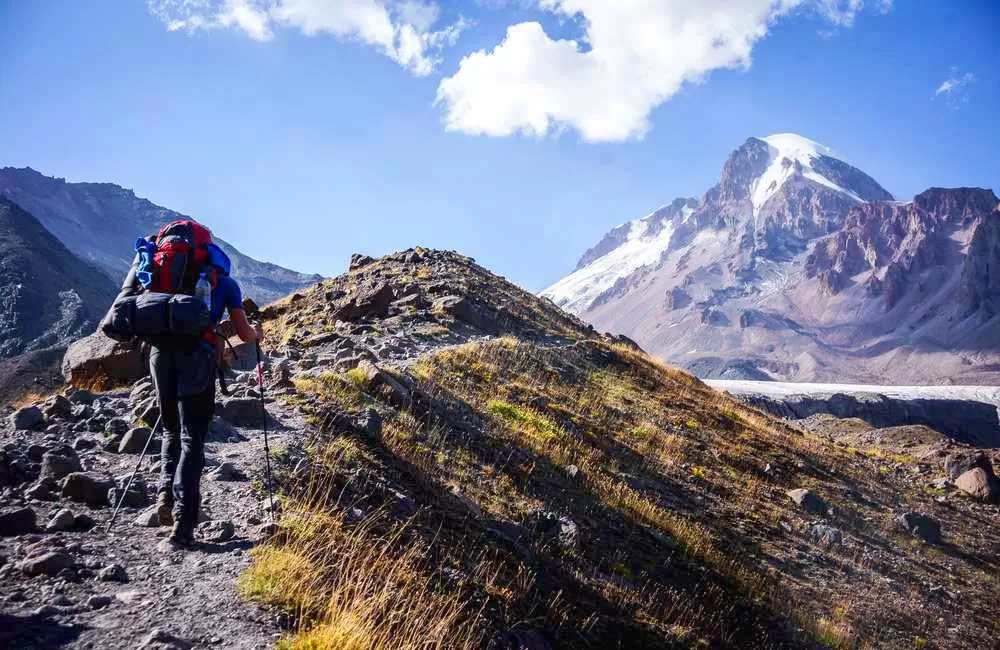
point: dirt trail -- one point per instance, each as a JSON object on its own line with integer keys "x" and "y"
{"x": 157, "y": 600}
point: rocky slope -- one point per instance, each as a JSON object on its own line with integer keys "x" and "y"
{"x": 798, "y": 266}
{"x": 463, "y": 465}
{"x": 48, "y": 296}
{"x": 99, "y": 222}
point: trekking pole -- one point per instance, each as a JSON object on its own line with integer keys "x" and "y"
{"x": 121, "y": 499}
{"x": 263, "y": 410}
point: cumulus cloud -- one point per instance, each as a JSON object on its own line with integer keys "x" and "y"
{"x": 402, "y": 30}
{"x": 632, "y": 56}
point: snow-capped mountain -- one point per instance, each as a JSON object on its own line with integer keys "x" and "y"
{"x": 795, "y": 266}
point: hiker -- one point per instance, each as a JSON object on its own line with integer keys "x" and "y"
{"x": 179, "y": 261}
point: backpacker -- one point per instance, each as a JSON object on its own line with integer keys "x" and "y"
{"x": 167, "y": 268}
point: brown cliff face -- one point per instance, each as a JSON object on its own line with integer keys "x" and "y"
{"x": 897, "y": 240}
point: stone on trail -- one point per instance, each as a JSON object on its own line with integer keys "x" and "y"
{"x": 57, "y": 463}
{"x": 112, "y": 573}
{"x": 50, "y": 564}
{"x": 88, "y": 487}
{"x": 148, "y": 518}
{"x": 57, "y": 407}
{"x": 28, "y": 417}
{"x": 961, "y": 462}
{"x": 42, "y": 490}
{"x": 17, "y": 522}
{"x": 134, "y": 441}
{"x": 241, "y": 411}
{"x": 160, "y": 640}
{"x": 225, "y": 472}
{"x": 99, "y": 601}
{"x": 63, "y": 520}
{"x": 99, "y": 361}
{"x": 216, "y": 531}
{"x": 921, "y": 525}
{"x": 808, "y": 501}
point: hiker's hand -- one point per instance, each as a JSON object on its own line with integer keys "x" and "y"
{"x": 258, "y": 332}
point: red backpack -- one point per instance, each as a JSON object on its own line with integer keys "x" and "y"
{"x": 181, "y": 253}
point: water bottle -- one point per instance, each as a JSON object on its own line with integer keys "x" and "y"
{"x": 203, "y": 291}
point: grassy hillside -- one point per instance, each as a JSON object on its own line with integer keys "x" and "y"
{"x": 483, "y": 470}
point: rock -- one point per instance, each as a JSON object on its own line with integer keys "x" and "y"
{"x": 50, "y": 563}
{"x": 83, "y": 521}
{"x": 468, "y": 311}
{"x": 217, "y": 531}
{"x": 81, "y": 397}
{"x": 148, "y": 518}
{"x": 42, "y": 490}
{"x": 28, "y": 417}
{"x": 63, "y": 520}
{"x": 57, "y": 407}
{"x": 141, "y": 390}
{"x": 116, "y": 427}
{"x": 88, "y": 487}
{"x": 59, "y": 462}
{"x": 467, "y": 503}
{"x": 99, "y": 601}
{"x": 379, "y": 381}
{"x": 358, "y": 261}
{"x": 241, "y": 411}
{"x": 959, "y": 463}
{"x": 369, "y": 422}
{"x": 134, "y": 441}
{"x": 225, "y": 472}
{"x": 978, "y": 484}
{"x": 921, "y": 525}
{"x": 160, "y": 640}
{"x": 83, "y": 444}
{"x": 808, "y": 501}
{"x": 99, "y": 362}
{"x": 112, "y": 573}
{"x": 826, "y": 536}
{"x": 555, "y": 529}
{"x": 136, "y": 496}
{"x": 17, "y": 522}
{"x": 369, "y": 301}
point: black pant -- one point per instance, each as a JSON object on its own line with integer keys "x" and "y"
{"x": 184, "y": 378}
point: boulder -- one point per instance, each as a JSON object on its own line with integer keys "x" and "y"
{"x": 28, "y": 417}
{"x": 225, "y": 472}
{"x": 468, "y": 311}
{"x": 63, "y": 520}
{"x": 57, "y": 407}
{"x": 136, "y": 496}
{"x": 88, "y": 487}
{"x": 241, "y": 411}
{"x": 102, "y": 363}
{"x": 359, "y": 261}
{"x": 17, "y": 522}
{"x": 826, "y": 536}
{"x": 59, "y": 462}
{"x": 921, "y": 525}
{"x": 42, "y": 490}
{"x": 49, "y": 564}
{"x": 372, "y": 301}
{"x": 978, "y": 484}
{"x": 134, "y": 441}
{"x": 808, "y": 501}
{"x": 961, "y": 462}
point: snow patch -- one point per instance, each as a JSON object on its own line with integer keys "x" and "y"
{"x": 578, "y": 290}
{"x": 787, "y": 150}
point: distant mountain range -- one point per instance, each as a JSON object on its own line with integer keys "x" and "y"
{"x": 798, "y": 266}
{"x": 99, "y": 222}
{"x": 66, "y": 248}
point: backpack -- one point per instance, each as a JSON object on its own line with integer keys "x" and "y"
{"x": 167, "y": 269}
{"x": 180, "y": 251}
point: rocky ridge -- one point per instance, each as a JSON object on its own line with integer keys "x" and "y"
{"x": 99, "y": 223}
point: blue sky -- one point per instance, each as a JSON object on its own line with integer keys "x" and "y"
{"x": 303, "y": 137}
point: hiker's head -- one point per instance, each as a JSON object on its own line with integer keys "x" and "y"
{"x": 218, "y": 260}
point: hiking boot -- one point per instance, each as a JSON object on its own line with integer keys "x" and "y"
{"x": 179, "y": 540}
{"x": 164, "y": 508}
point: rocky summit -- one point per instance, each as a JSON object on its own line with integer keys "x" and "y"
{"x": 458, "y": 463}
{"x": 797, "y": 266}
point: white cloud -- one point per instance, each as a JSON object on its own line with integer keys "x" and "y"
{"x": 954, "y": 84}
{"x": 633, "y": 55}
{"x": 401, "y": 30}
